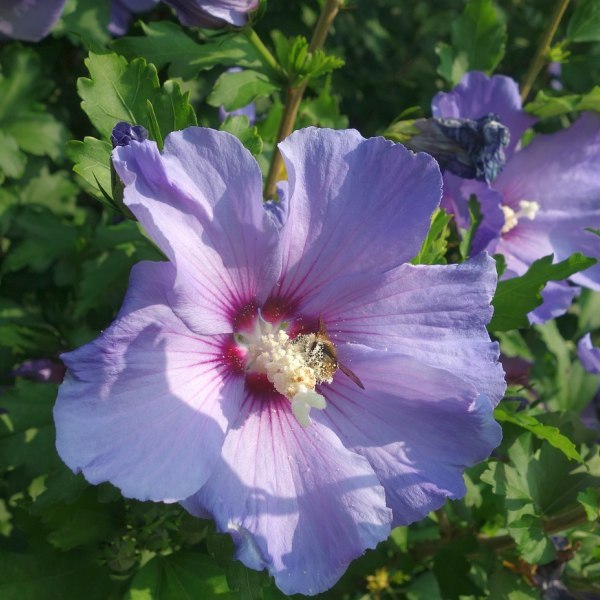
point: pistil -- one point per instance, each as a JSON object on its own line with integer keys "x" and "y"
{"x": 528, "y": 209}
{"x": 291, "y": 366}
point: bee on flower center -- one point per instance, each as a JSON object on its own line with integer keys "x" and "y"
{"x": 321, "y": 355}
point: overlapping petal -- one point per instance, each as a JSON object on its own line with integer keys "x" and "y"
{"x": 146, "y": 405}
{"x": 355, "y": 205}
{"x": 295, "y": 500}
{"x": 201, "y": 202}
{"x": 411, "y": 422}
{"x": 478, "y": 95}
{"x": 436, "y": 314}
{"x": 557, "y": 297}
{"x": 29, "y": 20}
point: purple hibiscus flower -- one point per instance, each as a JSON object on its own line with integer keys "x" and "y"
{"x": 546, "y": 195}
{"x": 28, "y": 20}
{"x": 213, "y": 13}
{"x": 218, "y": 384}
{"x": 122, "y": 12}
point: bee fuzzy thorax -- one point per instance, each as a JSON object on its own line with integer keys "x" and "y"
{"x": 294, "y": 366}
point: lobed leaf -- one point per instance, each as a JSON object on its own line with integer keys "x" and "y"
{"x": 518, "y": 296}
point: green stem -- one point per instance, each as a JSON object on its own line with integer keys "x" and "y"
{"x": 540, "y": 56}
{"x": 293, "y": 95}
{"x": 502, "y": 543}
{"x": 267, "y": 57}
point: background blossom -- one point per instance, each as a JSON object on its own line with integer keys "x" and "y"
{"x": 557, "y": 172}
{"x": 29, "y": 20}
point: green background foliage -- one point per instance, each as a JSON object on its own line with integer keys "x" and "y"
{"x": 66, "y": 251}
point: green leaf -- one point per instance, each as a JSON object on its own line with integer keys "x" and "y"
{"x": 544, "y": 432}
{"x": 558, "y": 373}
{"x": 46, "y": 238}
{"x": 173, "y": 109}
{"x": 540, "y": 481}
{"x": 533, "y": 544}
{"x": 546, "y": 106}
{"x": 234, "y": 90}
{"x": 68, "y": 576}
{"x": 584, "y": 25}
{"x": 25, "y": 121}
{"x": 506, "y": 585}
{"x": 120, "y": 91}
{"x": 38, "y": 134}
{"x": 298, "y": 63}
{"x": 518, "y": 296}
{"x": 62, "y": 485}
{"x": 451, "y": 67}
{"x": 434, "y": 246}
{"x": 589, "y": 312}
{"x": 91, "y": 160}
{"x": 27, "y": 430}
{"x": 85, "y": 22}
{"x": 116, "y": 91}
{"x": 322, "y": 111}
{"x": 591, "y": 100}
{"x": 467, "y": 236}
{"x": 83, "y": 521}
{"x": 246, "y": 582}
{"x": 105, "y": 274}
{"x": 24, "y": 331}
{"x": 55, "y": 191}
{"x": 12, "y": 160}
{"x": 478, "y": 42}
{"x": 167, "y": 43}
{"x": 588, "y": 498}
{"x": 451, "y": 568}
{"x": 177, "y": 576}
{"x": 239, "y": 125}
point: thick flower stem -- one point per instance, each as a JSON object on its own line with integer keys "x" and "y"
{"x": 540, "y": 56}
{"x": 293, "y": 95}
{"x": 502, "y": 543}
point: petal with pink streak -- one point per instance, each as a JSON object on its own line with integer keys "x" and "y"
{"x": 418, "y": 426}
{"x": 355, "y": 205}
{"x": 201, "y": 202}
{"x": 434, "y": 313}
{"x": 146, "y": 405}
{"x": 294, "y": 499}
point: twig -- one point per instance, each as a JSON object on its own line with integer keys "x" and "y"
{"x": 540, "y": 56}
{"x": 503, "y": 543}
{"x": 293, "y": 95}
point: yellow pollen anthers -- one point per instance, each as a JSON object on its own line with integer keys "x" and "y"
{"x": 528, "y": 209}
{"x": 293, "y": 366}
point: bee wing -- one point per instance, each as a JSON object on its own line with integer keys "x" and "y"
{"x": 351, "y": 375}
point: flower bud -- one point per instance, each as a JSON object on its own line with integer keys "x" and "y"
{"x": 123, "y": 133}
